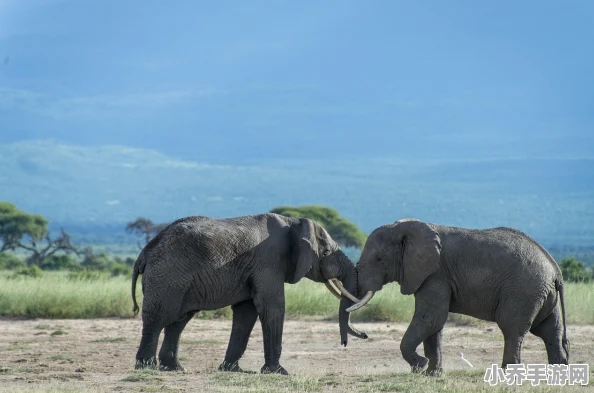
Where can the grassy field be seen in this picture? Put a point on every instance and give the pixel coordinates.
(56, 295)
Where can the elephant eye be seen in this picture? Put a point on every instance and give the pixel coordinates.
(326, 253)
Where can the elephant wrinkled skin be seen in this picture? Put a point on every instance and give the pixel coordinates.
(200, 263)
(497, 274)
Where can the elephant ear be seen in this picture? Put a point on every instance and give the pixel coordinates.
(421, 251)
(304, 248)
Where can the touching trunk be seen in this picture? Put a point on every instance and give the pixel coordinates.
(349, 281)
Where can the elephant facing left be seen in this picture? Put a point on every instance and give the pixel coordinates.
(201, 263)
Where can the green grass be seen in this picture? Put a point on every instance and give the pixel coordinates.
(54, 296)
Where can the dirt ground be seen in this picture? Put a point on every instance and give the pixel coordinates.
(98, 354)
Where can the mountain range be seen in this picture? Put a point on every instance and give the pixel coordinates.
(94, 191)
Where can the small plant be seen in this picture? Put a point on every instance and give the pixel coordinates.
(24, 271)
(59, 333)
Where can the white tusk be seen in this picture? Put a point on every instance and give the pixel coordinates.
(343, 290)
(363, 302)
(333, 290)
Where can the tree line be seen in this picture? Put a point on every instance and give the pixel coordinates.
(29, 234)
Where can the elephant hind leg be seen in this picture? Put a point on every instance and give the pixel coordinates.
(151, 329)
(550, 330)
(168, 354)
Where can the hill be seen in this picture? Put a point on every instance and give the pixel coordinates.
(94, 191)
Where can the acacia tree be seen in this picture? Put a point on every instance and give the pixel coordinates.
(343, 231)
(19, 229)
(143, 226)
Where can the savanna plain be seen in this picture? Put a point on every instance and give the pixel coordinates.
(66, 334)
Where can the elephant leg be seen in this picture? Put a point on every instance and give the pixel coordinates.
(512, 349)
(244, 319)
(432, 303)
(514, 316)
(432, 349)
(271, 310)
(550, 330)
(151, 329)
(168, 353)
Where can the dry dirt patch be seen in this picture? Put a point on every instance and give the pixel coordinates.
(97, 355)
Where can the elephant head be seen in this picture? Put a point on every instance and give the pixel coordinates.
(317, 256)
(407, 252)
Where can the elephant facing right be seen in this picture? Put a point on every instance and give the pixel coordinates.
(496, 274)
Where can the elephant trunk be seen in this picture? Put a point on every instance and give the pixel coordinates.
(349, 281)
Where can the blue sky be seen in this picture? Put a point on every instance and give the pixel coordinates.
(233, 81)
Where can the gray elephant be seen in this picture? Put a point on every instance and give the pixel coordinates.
(200, 263)
(497, 274)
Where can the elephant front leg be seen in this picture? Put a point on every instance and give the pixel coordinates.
(431, 312)
(271, 310)
(244, 319)
(432, 349)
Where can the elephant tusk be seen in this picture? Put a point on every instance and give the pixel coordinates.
(363, 302)
(343, 290)
(332, 290)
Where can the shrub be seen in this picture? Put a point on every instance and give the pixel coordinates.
(10, 261)
(27, 271)
(60, 262)
(97, 261)
(119, 269)
(574, 270)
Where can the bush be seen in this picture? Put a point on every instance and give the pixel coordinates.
(60, 262)
(10, 261)
(27, 271)
(574, 270)
(119, 269)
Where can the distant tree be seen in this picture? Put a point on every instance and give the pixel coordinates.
(343, 231)
(30, 232)
(143, 226)
(574, 270)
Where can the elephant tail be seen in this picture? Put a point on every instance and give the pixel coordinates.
(564, 340)
(138, 269)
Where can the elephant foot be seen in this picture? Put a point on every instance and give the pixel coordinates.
(233, 367)
(278, 369)
(146, 364)
(419, 365)
(171, 366)
(433, 372)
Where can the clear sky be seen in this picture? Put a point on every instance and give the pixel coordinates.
(237, 80)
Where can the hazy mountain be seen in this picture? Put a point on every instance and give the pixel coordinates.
(95, 190)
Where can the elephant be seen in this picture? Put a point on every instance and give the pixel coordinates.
(497, 274)
(201, 263)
